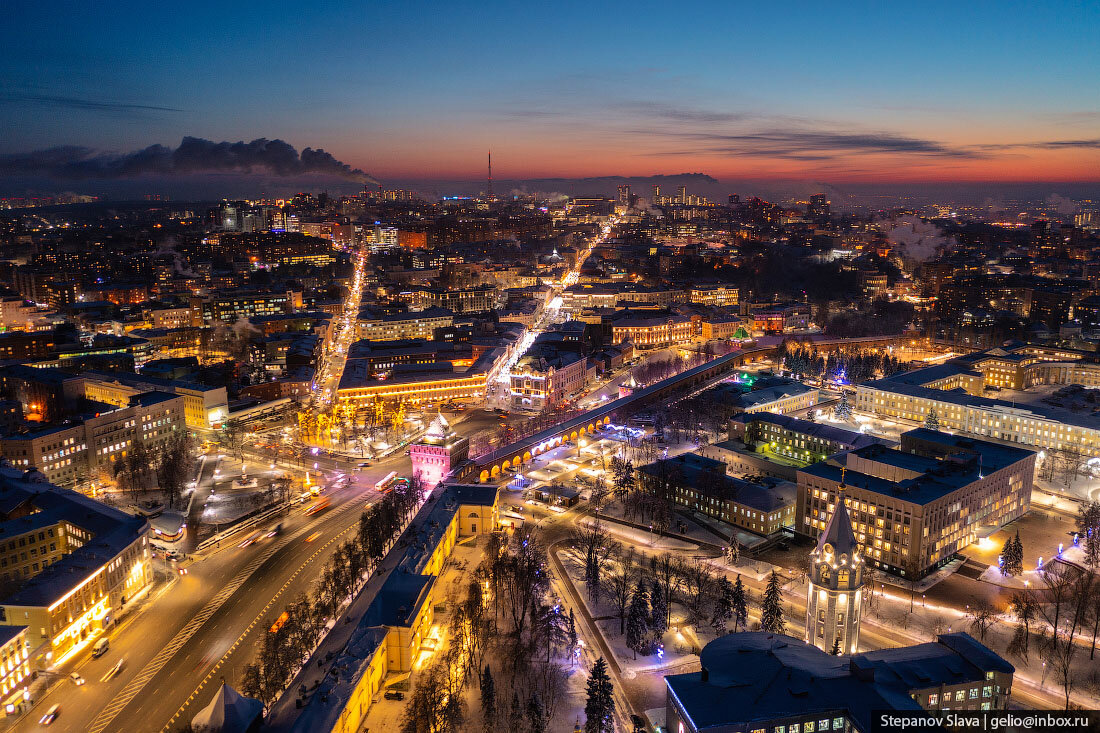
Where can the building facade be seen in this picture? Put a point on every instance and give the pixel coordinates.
(92, 560)
(914, 506)
(439, 451)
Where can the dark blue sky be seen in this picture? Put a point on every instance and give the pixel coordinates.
(830, 91)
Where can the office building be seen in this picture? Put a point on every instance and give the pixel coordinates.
(914, 506)
(394, 630)
(204, 406)
(409, 325)
(954, 391)
(74, 452)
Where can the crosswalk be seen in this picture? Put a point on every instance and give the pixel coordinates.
(157, 663)
(248, 629)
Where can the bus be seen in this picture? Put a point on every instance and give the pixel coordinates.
(387, 482)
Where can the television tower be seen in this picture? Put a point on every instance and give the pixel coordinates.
(489, 190)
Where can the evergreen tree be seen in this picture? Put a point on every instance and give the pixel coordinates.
(637, 621)
(843, 409)
(571, 636)
(1007, 554)
(835, 651)
(536, 715)
(1017, 555)
(740, 606)
(932, 420)
(771, 610)
(515, 715)
(658, 611)
(1088, 526)
(723, 606)
(600, 705)
(488, 701)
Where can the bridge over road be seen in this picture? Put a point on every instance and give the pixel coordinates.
(489, 466)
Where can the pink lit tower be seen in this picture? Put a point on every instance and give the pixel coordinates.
(440, 450)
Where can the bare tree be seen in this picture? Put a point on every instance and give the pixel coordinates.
(981, 615)
(1068, 594)
(621, 583)
(1025, 608)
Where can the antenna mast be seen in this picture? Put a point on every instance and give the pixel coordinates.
(489, 190)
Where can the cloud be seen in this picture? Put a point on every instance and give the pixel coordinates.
(49, 100)
(1087, 143)
(194, 155)
(810, 144)
(661, 110)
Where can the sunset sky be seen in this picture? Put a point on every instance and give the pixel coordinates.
(829, 91)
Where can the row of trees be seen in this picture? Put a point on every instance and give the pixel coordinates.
(851, 365)
(286, 647)
(654, 370)
(642, 590)
(507, 616)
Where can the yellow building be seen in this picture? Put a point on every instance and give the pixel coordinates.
(204, 406)
(395, 632)
(80, 562)
(416, 384)
(15, 667)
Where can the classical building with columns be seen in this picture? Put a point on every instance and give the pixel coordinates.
(836, 582)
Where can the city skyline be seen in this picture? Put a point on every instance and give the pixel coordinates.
(735, 92)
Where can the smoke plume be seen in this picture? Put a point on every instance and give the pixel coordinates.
(915, 239)
(1061, 204)
(193, 156)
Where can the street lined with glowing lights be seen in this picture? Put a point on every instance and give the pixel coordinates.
(207, 619)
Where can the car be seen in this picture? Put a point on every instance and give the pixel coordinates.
(50, 716)
(363, 464)
(394, 695)
(517, 507)
(174, 555)
(112, 671)
(250, 539)
(77, 679)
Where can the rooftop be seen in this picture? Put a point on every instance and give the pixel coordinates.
(700, 473)
(820, 430)
(963, 399)
(926, 466)
(111, 530)
(756, 676)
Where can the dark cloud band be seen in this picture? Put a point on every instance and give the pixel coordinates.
(194, 155)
